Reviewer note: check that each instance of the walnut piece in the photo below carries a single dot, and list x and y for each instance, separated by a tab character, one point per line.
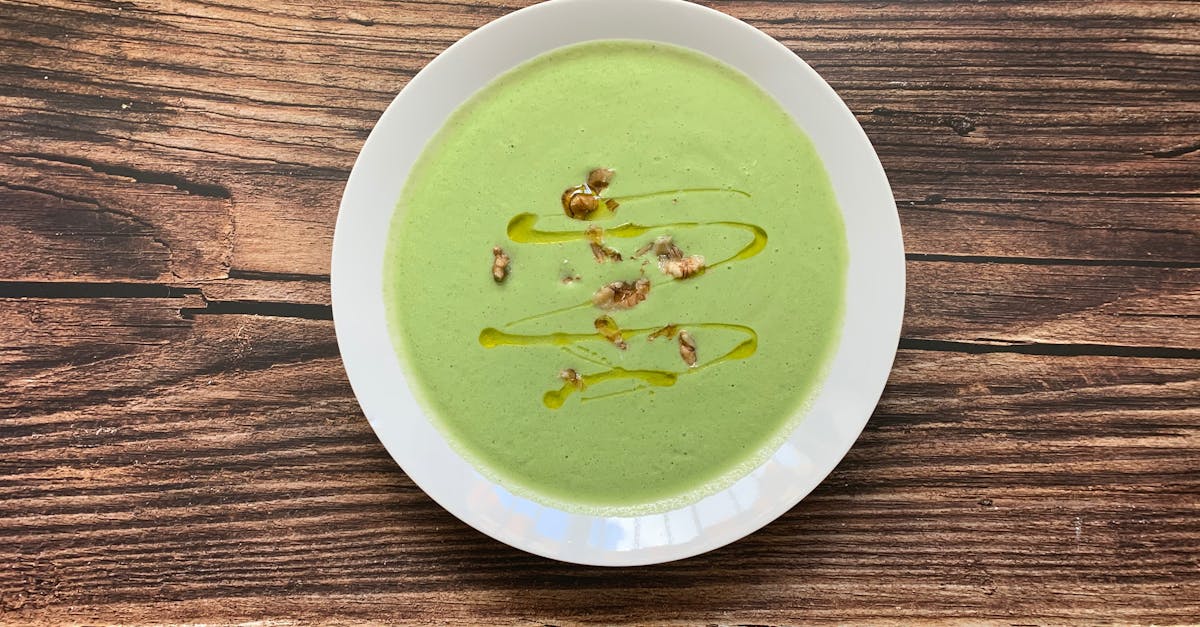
570	376
599	179
607	327
500	263
671	259
622	294
600	251
662	246
684	268
687	349
580	202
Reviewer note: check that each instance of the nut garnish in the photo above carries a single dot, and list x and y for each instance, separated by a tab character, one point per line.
570	376
684	268
622	294
662	246
687	349
499	264
608	328
600	251
582	201
671	259
599	179
667	332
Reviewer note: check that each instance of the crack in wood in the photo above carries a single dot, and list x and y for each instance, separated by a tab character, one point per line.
983	346
206	190
256	275
69	289
1177	151
303	311
1051	261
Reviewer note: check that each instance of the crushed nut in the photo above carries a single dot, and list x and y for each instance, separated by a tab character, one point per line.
607	327
684	268
671	260
687	349
499	264
662	246
667	332
570	376
622	294
599	179
580	202
600	251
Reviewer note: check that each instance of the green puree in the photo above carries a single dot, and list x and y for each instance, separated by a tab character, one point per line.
483	355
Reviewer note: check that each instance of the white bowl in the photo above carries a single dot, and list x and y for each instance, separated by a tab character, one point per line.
860	367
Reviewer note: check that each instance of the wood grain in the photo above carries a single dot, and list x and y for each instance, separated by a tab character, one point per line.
178	443
223	457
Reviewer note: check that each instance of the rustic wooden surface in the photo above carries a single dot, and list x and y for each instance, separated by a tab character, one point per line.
178	442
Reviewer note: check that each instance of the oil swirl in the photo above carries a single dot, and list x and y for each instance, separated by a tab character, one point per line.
493	338
523	229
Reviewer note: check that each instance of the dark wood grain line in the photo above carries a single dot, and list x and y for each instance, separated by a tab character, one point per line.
74	290
140	176
1061	350
235	273
1049	261
304	311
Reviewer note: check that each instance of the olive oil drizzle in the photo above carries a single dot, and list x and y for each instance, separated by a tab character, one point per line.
676	192
522	229
492	338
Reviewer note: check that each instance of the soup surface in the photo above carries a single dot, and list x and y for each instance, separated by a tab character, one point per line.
606	386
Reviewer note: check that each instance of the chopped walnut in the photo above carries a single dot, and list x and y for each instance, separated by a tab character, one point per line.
499	264
570	376
580	202
599	179
607	327
662	246
684	268
687	349
622	294
667	332
671	260
600	251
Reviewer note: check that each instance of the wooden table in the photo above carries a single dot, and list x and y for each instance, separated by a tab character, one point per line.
178	442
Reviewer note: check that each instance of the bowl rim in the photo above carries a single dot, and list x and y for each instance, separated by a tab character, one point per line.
488	507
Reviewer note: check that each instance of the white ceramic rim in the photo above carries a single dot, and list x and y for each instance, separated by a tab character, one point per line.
835	418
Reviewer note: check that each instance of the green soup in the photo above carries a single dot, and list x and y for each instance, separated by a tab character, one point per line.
519	375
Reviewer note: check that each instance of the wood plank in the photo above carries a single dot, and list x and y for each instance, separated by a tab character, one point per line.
83	221
1053	304
989	303
218	470
1046	131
